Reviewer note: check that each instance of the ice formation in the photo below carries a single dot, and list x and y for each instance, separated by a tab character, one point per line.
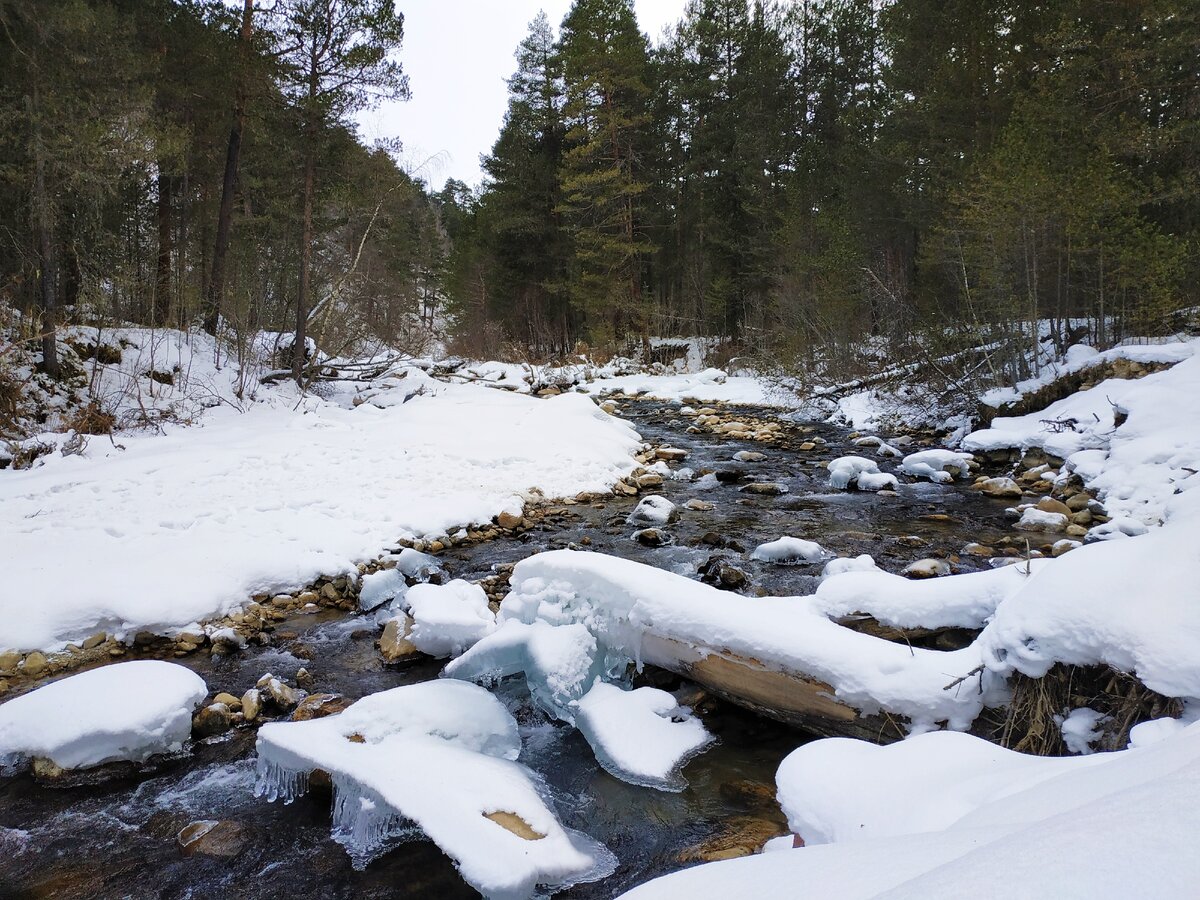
450	618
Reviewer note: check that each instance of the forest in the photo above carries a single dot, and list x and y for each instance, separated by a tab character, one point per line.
795	178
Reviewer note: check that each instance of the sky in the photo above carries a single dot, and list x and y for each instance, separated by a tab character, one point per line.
457	54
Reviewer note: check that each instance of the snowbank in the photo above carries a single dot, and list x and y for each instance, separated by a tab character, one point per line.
124	711
159	531
709	386
940	815
438	756
622	602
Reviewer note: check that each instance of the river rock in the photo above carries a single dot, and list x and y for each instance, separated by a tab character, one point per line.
649	480
282	695
671	454
1050	505
652	537
394	643
9	660
740	836
508	520
719	572
216	718
765	488
222	839
807	445
698	505
318	706
95	640
926	568
251	704
749	456
229	700
999	487
1078	502
976	549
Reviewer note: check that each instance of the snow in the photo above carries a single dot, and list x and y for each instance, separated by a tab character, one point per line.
790	550
622	603
180	527
653	510
449	618
951	815
1034	519
559	663
860	471
709	386
439	756
864	562
933	464
1080	728
124	711
641	736
959	601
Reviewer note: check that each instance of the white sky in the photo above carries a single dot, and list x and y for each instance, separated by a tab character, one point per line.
457	54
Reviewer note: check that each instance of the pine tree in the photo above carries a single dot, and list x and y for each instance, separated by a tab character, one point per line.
602	179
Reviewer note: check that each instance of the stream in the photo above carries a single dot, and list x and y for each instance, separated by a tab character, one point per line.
118	838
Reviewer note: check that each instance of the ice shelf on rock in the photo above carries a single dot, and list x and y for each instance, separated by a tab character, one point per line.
790	550
559	661
436	758
641	736
381	587
123	711
449	618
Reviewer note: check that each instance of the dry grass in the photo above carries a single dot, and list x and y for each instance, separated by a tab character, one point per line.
1028	724
90	419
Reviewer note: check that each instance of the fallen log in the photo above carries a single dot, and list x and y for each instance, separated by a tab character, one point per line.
776	693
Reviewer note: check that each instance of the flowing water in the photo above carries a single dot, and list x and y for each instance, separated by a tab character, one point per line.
117	838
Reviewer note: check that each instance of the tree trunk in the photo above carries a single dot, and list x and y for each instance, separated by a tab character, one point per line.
216	285
47	268
298	349
162	265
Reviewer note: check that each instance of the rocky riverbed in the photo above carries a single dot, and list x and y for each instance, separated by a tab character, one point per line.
192	826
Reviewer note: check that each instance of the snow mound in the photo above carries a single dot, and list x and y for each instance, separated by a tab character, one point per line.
448	619
436	758
381	587
124	711
860	472
641	736
249	502
624	604
940	466
940	815
790	550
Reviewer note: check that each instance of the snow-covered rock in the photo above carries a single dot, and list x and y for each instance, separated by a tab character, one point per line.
641	736
940	466
448	619
653	510
124	711
858	471
790	550
439	755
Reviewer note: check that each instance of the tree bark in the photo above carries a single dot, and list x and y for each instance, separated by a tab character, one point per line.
166	247
47	268
215	294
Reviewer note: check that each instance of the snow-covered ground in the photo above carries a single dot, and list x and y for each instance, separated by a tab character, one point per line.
151	531
950	815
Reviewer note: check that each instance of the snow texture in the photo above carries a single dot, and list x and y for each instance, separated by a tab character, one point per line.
124	711
179	527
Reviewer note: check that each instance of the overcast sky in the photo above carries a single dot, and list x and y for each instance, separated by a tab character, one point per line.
457	54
